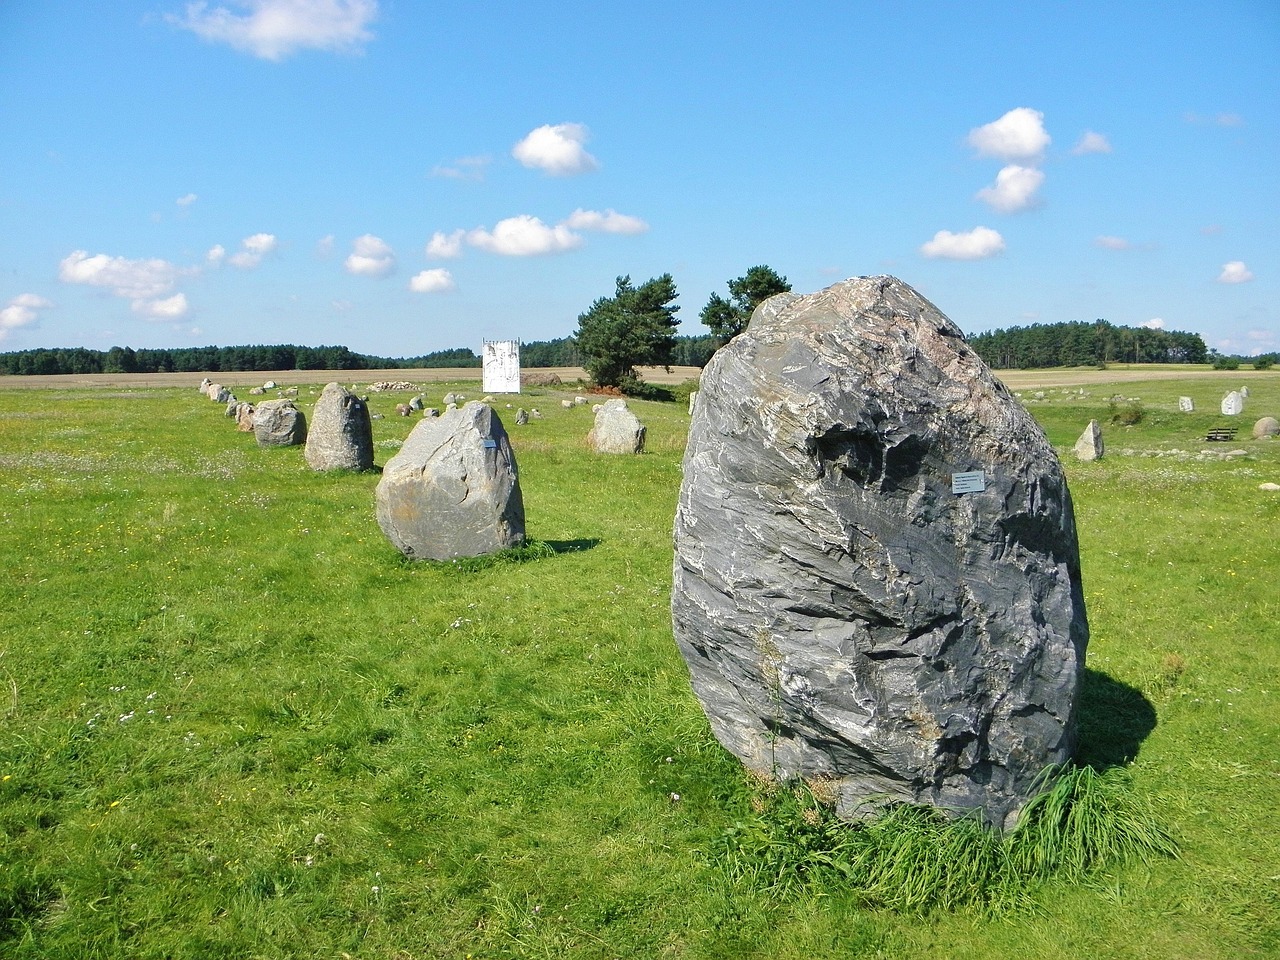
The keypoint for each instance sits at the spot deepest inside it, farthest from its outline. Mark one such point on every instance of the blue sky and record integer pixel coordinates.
(403, 176)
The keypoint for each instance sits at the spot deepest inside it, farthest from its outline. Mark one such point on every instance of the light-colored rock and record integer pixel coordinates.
(1266, 427)
(1232, 404)
(244, 417)
(1269, 487)
(453, 489)
(567, 404)
(579, 401)
(616, 429)
(844, 613)
(278, 423)
(269, 385)
(403, 409)
(693, 398)
(431, 412)
(257, 392)
(1089, 446)
(340, 436)
(521, 417)
(1186, 405)
(417, 403)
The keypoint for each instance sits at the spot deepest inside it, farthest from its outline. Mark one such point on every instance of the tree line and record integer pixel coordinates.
(1075, 344)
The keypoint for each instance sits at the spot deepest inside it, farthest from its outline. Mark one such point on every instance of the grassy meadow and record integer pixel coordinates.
(235, 723)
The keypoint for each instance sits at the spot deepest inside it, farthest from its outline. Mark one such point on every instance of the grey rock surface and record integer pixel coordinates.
(278, 423)
(244, 417)
(340, 436)
(847, 617)
(453, 489)
(616, 429)
(1090, 446)
(1266, 427)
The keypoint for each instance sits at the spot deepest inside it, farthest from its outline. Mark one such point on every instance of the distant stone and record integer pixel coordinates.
(278, 423)
(290, 392)
(452, 490)
(1089, 446)
(1236, 453)
(1039, 394)
(540, 379)
(269, 385)
(579, 401)
(521, 417)
(489, 400)
(217, 393)
(231, 410)
(450, 406)
(1266, 427)
(567, 404)
(430, 412)
(205, 384)
(877, 576)
(257, 392)
(403, 409)
(1269, 487)
(616, 429)
(1186, 405)
(1244, 392)
(1232, 404)
(244, 417)
(535, 413)
(417, 403)
(340, 436)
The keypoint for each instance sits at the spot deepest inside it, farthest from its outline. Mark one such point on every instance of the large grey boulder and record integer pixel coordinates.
(877, 578)
(1266, 427)
(278, 423)
(1090, 446)
(616, 429)
(452, 490)
(341, 435)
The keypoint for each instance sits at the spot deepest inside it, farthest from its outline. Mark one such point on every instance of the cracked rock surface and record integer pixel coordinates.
(846, 616)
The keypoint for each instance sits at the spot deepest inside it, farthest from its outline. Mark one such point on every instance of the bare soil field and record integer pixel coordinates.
(1014, 379)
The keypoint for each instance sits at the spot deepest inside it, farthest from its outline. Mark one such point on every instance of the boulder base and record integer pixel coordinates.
(849, 608)
(452, 490)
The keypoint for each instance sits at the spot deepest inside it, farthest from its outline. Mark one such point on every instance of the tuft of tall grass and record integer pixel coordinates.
(915, 860)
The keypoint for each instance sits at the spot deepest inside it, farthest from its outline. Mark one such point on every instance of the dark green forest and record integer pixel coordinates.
(1071, 344)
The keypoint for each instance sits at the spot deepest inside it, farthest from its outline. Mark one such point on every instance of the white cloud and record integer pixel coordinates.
(1015, 189)
(524, 236)
(324, 247)
(20, 311)
(131, 279)
(445, 246)
(274, 29)
(978, 244)
(1155, 323)
(1111, 243)
(1018, 135)
(1091, 143)
(432, 281)
(253, 249)
(608, 222)
(217, 253)
(169, 308)
(1235, 272)
(557, 150)
(186, 200)
(464, 168)
(370, 257)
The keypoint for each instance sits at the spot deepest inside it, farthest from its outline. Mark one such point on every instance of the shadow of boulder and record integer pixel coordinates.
(1114, 719)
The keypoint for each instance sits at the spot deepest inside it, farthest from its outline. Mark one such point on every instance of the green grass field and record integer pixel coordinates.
(234, 723)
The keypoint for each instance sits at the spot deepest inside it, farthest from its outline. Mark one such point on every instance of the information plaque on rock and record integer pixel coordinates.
(974, 481)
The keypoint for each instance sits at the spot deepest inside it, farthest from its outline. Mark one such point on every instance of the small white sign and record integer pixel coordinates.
(975, 481)
(501, 366)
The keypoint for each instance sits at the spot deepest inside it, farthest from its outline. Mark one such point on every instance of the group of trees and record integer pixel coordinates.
(1076, 343)
(218, 359)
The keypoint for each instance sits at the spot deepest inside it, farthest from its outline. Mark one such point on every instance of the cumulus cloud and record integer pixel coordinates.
(610, 221)
(275, 29)
(217, 253)
(20, 311)
(445, 246)
(252, 250)
(1015, 189)
(557, 150)
(1155, 323)
(170, 308)
(1111, 243)
(978, 244)
(131, 279)
(186, 200)
(524, 236)
(464, 168)
(1018, 135)
(370, 257)
(1091, 143)
(432, 281)
(1235, 272)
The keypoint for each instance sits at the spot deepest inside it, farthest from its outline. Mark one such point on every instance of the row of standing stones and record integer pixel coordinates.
(453, 488)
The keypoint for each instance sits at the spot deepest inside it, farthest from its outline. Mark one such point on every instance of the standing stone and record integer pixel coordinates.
(1266, 427)
(1232, 404)
(450, 398)
(417, 403)
(452, 490)
(341, 434)
(845, 614)
(244, 417)
(205, 384)
(567, 404)
(1186, 405)
(233, 406)
(269, 385)
(278, 423)
(1089, 446)
(1244, 393)
(616, 430)
(521, 417)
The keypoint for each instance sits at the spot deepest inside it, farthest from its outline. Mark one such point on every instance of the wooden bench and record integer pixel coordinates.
(1221, 434)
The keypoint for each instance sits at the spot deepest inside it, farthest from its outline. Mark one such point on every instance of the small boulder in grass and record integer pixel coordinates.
(278, 423)
(616, 429)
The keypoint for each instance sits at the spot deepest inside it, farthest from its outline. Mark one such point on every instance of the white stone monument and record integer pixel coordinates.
(1186, 405)
(501, 363)
(1232, 404)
